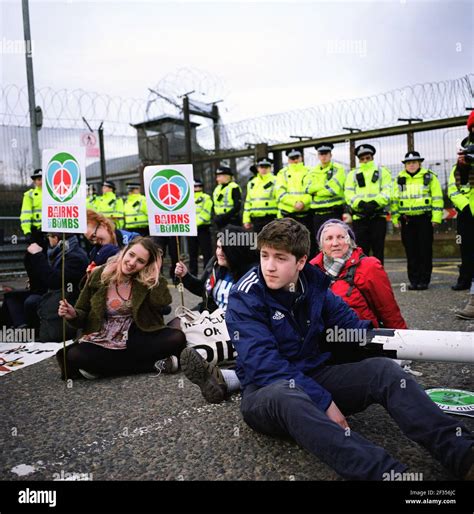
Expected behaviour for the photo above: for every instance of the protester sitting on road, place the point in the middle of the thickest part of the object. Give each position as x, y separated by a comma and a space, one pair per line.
44, 272
359, 280
278, 314
234, 257
120, 309
105, 238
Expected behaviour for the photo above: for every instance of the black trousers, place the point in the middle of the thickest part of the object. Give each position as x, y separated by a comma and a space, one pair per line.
307, 221
465, 229
370, 235
260, 221
417, 238
168, 242
201, 242
20, 308
143, 350
320, 218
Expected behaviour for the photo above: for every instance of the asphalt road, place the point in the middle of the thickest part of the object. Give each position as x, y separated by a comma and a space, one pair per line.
148, 427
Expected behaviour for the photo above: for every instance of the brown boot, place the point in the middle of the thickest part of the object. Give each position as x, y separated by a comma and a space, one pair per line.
468, 311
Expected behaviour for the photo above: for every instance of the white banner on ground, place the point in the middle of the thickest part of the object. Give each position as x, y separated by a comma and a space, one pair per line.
64, 191
169, 191
14, 356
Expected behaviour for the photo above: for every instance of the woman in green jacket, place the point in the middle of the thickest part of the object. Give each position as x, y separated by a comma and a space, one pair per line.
120, 312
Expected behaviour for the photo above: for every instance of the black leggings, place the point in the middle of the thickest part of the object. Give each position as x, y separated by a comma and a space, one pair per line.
143, 350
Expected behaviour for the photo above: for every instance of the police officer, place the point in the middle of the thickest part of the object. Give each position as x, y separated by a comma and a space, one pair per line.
92, 198
260, 205
461, 193
417, 205
325, 183
30, 216
227, 198
135, 210
202, 241
110, 205
367, 192
293, 201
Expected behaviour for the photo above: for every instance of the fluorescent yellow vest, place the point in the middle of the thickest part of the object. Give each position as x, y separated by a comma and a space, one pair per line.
222, 197
260, 198
378, 187
111, 207
135, 211
290, 189
203, 204
416, 194
326, 186
462, 195
31, 210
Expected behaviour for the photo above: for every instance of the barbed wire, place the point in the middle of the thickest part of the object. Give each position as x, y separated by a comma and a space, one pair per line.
429, 101
64, 109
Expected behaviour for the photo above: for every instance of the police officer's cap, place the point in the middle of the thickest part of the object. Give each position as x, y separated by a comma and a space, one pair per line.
264, 161
365, 149
109, 183
413, 156
294, 152
133, 185
224, 170
198, 183
324, 147
38, 173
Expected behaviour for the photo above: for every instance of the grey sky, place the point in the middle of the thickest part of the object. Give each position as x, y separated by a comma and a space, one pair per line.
271, 56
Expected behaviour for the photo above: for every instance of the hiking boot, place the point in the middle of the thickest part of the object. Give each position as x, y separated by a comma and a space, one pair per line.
204, 374
168, 365
468, 311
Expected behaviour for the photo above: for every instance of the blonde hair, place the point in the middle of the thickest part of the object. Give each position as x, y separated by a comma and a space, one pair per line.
148, 276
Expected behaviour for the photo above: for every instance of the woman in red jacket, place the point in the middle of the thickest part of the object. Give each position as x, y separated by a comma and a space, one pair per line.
359, 280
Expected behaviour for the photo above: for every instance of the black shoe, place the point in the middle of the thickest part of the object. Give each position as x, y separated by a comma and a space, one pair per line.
204, 374
422, 287
413, 287
461, 286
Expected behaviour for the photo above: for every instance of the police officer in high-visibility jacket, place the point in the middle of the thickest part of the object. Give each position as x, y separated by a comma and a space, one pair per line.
325, 183
202, 242
92, 198
260, 205
461, 193
417, 206
367, 192
135, 210
293, 200
227, 198
110, 205
30, 216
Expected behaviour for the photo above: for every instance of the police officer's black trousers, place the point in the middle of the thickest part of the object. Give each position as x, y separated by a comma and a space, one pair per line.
370, 235
260, 222
417, 238
465, 229
307, 221
200, 242
170, 242
319, 218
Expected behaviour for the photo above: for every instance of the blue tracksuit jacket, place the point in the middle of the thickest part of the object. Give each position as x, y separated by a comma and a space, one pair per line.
277, 337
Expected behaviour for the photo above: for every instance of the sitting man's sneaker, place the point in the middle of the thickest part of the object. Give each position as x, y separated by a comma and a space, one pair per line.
168, 365
468, 311
89, 376
204, 374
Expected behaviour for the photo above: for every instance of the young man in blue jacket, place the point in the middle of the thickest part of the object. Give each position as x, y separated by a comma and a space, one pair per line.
278, 315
